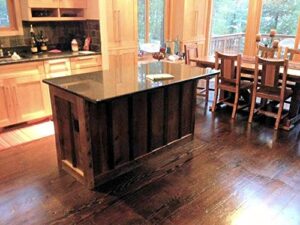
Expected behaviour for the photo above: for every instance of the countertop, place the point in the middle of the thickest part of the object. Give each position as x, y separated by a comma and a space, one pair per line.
44, 56
104, 85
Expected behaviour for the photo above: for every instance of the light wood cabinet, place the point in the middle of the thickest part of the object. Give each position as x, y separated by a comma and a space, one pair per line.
42, 3
23, 96
123, 68
85, 64
53, 10
122, 23
92, 11
7, 114
57, 67
73, 4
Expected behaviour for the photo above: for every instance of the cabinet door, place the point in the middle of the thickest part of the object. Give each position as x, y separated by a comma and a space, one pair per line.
43, 3
57, 67
7, 114
123, 66
73, 4
191, 21
29, 97
122, 23
85, 64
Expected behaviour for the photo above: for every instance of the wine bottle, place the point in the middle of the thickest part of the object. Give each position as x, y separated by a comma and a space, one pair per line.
34, 48
44, 47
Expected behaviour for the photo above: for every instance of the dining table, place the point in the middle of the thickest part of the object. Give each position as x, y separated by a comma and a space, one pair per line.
247, 72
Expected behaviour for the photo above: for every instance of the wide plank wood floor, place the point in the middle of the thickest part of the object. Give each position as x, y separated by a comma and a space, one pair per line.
230, 174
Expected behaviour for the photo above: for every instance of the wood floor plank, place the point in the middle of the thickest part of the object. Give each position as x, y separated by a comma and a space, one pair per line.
228, 174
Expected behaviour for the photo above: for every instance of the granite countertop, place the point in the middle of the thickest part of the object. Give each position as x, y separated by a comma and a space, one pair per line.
104, 85
45, 56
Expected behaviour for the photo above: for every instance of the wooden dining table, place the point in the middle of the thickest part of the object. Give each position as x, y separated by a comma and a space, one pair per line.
248, 68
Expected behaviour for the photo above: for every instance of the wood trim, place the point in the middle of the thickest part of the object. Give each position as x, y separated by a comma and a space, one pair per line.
16, 27
297, 40
253, 24
104, 34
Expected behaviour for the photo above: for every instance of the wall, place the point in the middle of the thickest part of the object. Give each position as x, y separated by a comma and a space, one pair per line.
59, 34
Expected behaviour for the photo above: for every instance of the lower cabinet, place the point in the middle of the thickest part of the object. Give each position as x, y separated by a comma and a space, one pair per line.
23, 95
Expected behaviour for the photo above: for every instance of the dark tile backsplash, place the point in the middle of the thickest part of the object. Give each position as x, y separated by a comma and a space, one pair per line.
60, 35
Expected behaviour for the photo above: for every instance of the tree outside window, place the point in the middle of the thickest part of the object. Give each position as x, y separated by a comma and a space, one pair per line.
4, 16
151, 22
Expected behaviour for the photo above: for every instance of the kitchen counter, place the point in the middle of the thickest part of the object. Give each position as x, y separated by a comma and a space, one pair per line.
45, 56
99, 86
107, 123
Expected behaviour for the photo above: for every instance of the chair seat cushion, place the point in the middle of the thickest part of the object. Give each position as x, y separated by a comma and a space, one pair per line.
272, 93
230, 86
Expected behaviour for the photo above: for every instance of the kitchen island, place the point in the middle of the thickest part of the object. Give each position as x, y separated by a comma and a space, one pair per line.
107, 123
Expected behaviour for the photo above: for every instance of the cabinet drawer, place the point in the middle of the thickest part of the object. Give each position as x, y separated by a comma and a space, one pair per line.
22, 69
73, 4
85, 62
43, 3
57, 67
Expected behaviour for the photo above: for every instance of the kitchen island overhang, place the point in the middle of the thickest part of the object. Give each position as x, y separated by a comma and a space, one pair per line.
104, 129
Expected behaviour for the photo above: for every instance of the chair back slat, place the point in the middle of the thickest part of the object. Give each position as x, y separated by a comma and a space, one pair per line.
230, 66
266, 52
270, 72
191, 51
270, 75
292, 54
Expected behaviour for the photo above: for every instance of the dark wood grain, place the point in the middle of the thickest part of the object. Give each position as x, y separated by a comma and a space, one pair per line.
228, 172
139, 125
156, 118
120, 130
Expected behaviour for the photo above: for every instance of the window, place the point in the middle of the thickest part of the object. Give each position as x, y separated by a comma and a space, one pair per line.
10, 21
229, 21
4, 18
151, 22
281, 15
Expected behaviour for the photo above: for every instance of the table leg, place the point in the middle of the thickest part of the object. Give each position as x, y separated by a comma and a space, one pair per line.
294, 112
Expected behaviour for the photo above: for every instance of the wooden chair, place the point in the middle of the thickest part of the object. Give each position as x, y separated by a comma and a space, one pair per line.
191, 51
229, 80
269, 87
292, 54
266, 52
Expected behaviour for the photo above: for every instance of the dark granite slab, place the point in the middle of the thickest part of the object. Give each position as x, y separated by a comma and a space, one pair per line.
104, 85
43, 56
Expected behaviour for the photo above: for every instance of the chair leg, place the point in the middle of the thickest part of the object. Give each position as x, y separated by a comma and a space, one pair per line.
235, 104
207, 90
213, 108
279, 114
253, 101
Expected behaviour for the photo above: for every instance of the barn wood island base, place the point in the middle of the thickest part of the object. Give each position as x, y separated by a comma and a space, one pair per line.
108, 122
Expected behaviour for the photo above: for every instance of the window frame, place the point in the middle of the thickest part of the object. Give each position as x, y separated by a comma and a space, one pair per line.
147, 19
15, 26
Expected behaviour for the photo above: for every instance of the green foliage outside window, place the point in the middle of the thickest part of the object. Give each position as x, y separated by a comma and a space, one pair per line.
4, 21
281, 15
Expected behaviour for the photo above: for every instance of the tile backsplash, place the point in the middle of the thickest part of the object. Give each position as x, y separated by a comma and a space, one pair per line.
59, 34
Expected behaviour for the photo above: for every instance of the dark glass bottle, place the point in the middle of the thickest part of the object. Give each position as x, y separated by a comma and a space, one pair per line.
34, 48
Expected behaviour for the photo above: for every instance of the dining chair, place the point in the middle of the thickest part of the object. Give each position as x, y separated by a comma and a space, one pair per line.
292, 54
191, 51
229, 80
266, 52
270, 87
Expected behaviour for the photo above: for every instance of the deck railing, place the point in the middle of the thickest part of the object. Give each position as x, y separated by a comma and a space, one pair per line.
234, 43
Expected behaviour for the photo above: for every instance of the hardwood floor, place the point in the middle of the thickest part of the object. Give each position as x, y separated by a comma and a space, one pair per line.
230, 174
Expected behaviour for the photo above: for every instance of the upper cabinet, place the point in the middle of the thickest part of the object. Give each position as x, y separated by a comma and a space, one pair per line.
122, 23
53, 10
92, 10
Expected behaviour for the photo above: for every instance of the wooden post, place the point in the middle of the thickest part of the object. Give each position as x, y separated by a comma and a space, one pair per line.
297, 40
253, 24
